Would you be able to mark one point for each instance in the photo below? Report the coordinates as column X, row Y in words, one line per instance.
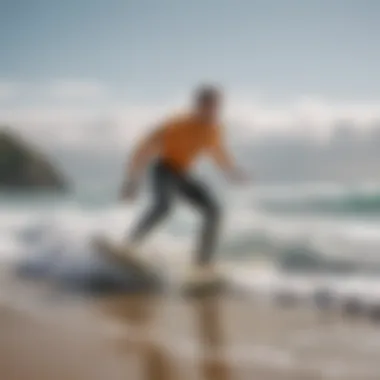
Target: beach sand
column 46, row 334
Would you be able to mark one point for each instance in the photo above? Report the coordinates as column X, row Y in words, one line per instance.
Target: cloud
column 76, row 89
column 62, row 91
column 109, row 124
column 107, row 127
column 8, row 90
column 318, row 114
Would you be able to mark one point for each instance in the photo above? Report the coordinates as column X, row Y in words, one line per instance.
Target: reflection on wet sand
column 139, row 313
column 156, row 337
column 209, row 315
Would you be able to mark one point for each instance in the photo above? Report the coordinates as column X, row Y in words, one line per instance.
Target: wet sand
column 45, row 334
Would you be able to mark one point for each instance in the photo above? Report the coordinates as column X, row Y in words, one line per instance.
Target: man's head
column 208, row 102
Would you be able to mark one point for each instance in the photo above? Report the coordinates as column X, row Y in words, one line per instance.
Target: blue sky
column 155, row 48
column 147, row 51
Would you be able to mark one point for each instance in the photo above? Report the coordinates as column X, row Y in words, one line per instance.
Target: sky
column 98, row 70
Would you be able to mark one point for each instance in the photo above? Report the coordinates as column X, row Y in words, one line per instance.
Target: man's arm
column 223, row 158
column 141, row 156
column 144, row 151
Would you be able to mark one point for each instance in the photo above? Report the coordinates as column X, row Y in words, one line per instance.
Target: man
column 176, row 144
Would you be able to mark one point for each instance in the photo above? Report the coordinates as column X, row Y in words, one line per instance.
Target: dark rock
column 33, row 269
column 25, row 168
column 106, row 283
column 299, row 259
column 323, row 299
column 353, row 307
column 374, row 313
column 39, row 263
column 286, row 299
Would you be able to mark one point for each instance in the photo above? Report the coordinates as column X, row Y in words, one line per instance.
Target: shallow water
column 284, row 226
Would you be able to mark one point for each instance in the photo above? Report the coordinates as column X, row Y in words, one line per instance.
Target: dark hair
column 207, row 93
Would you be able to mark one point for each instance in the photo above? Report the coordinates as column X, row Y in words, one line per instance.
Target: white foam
column 69, row 227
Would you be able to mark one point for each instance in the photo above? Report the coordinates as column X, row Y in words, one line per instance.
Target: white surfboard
column 124, row 256
column 181, row 282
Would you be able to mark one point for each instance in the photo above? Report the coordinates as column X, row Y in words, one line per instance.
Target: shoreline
column 47, row 334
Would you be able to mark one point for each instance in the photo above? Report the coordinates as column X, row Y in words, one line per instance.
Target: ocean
column 303, row 237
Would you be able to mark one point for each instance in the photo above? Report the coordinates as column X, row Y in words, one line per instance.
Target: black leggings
column 165, row 182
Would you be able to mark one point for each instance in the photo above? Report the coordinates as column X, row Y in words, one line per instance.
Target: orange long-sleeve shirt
column 184, row 139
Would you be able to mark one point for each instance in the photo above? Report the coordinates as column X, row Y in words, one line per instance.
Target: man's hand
column 128, row 191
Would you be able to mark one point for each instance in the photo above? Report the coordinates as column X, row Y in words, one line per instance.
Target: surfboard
column 132, row 261
column 122, row 255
